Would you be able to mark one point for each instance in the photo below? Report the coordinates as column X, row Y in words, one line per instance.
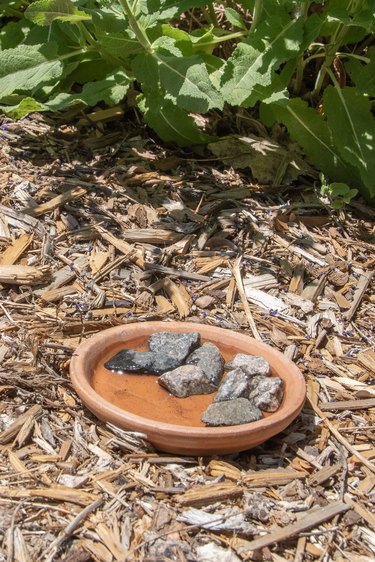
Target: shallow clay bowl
column 139, row 403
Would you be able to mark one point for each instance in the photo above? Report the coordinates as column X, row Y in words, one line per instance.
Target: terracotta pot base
column 138, row 403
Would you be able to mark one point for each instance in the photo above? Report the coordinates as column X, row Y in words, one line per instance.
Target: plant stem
column 223, row 38
column 305, row 5
column 138, row 31
column 257, row 12
column 330, row 55
column 87, row 35
column 213, row 15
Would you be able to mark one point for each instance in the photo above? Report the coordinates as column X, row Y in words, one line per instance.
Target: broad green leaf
column 185, row 81
column 14, row 33
column 187, row 84
column 235, row 18
column 24, row 107
column 119, row 45
column 308, row 128
column 353, row 130
column 110, row 19
column 111, row 90
column 28, row 67
column 363, row 75
column 44, row 12
column 171, row 123
column 253, row 64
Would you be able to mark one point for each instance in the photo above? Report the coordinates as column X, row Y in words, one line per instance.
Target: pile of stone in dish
column 185, row 367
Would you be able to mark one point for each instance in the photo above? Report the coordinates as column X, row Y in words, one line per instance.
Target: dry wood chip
column 217, row 468
column 152, row 236
column 367, row 359
column 272, row 477
column 54, row 295
column 361, row 510
column 310, row 519
column 56, row 202
column 324, row 474
column 58, row 493
column 135, row 255
column 10, row 433
column 23, row 274
column 362, row 285
column 211, row 493
column 16, row 249
column 348, row 405
column 24, row 222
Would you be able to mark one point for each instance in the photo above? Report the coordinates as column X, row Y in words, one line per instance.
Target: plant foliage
column 308, row 65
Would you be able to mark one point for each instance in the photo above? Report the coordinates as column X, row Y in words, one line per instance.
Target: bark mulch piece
column 99, row 228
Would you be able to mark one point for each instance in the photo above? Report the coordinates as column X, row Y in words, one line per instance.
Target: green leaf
column 44, row 12
column 252, row 64
column 24, row 107
column 307, row 127
column 235, row 18
column 13, row 33
column 171, row 123
column 28, row 67
column 363, row 75
column 353, row 130
column 111, row 90
column 186, row 82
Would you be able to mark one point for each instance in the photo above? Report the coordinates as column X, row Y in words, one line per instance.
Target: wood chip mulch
column 101, row 226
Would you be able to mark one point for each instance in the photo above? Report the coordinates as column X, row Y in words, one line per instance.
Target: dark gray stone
column 231, row 412
column 250, row 364
column 172, row 343
column 147, row 362
column 266, row 393
column 210, row 360
column 186, row 381
column 234, row 385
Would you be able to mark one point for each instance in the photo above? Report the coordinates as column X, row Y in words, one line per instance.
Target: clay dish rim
column 288, row 410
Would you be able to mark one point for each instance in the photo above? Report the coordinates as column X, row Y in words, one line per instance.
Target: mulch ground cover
column 100, row 226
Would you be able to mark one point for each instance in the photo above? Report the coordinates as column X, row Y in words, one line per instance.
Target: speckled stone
column 186, row 381
column 210, row 360
column 234, row 385
column 266, row 393
column 231, row 412
column 172, row 343
column 147, row 362
column 252, row 365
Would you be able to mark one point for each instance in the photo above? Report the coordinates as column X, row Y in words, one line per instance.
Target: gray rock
column 251, row 364
column 235, row 385
column 172, row 343
column 210, row 360
column 231, row 412
column 186, row 381
column 266, row 393
column 148, row 362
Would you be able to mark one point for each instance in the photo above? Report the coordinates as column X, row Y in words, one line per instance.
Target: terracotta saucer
column 138, row 403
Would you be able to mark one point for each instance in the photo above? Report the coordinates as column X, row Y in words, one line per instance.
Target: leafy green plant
column 339, row 194
column 308, row 65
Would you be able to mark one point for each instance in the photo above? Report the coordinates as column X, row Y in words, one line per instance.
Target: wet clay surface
column 143, row 396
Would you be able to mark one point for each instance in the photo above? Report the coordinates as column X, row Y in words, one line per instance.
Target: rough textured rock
column 171, row 343
column 186, row 381
column 235, row 385
column 251, row 364
column 266, row 393
column 231, row 412
column 210, row 360
column 147, row 362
